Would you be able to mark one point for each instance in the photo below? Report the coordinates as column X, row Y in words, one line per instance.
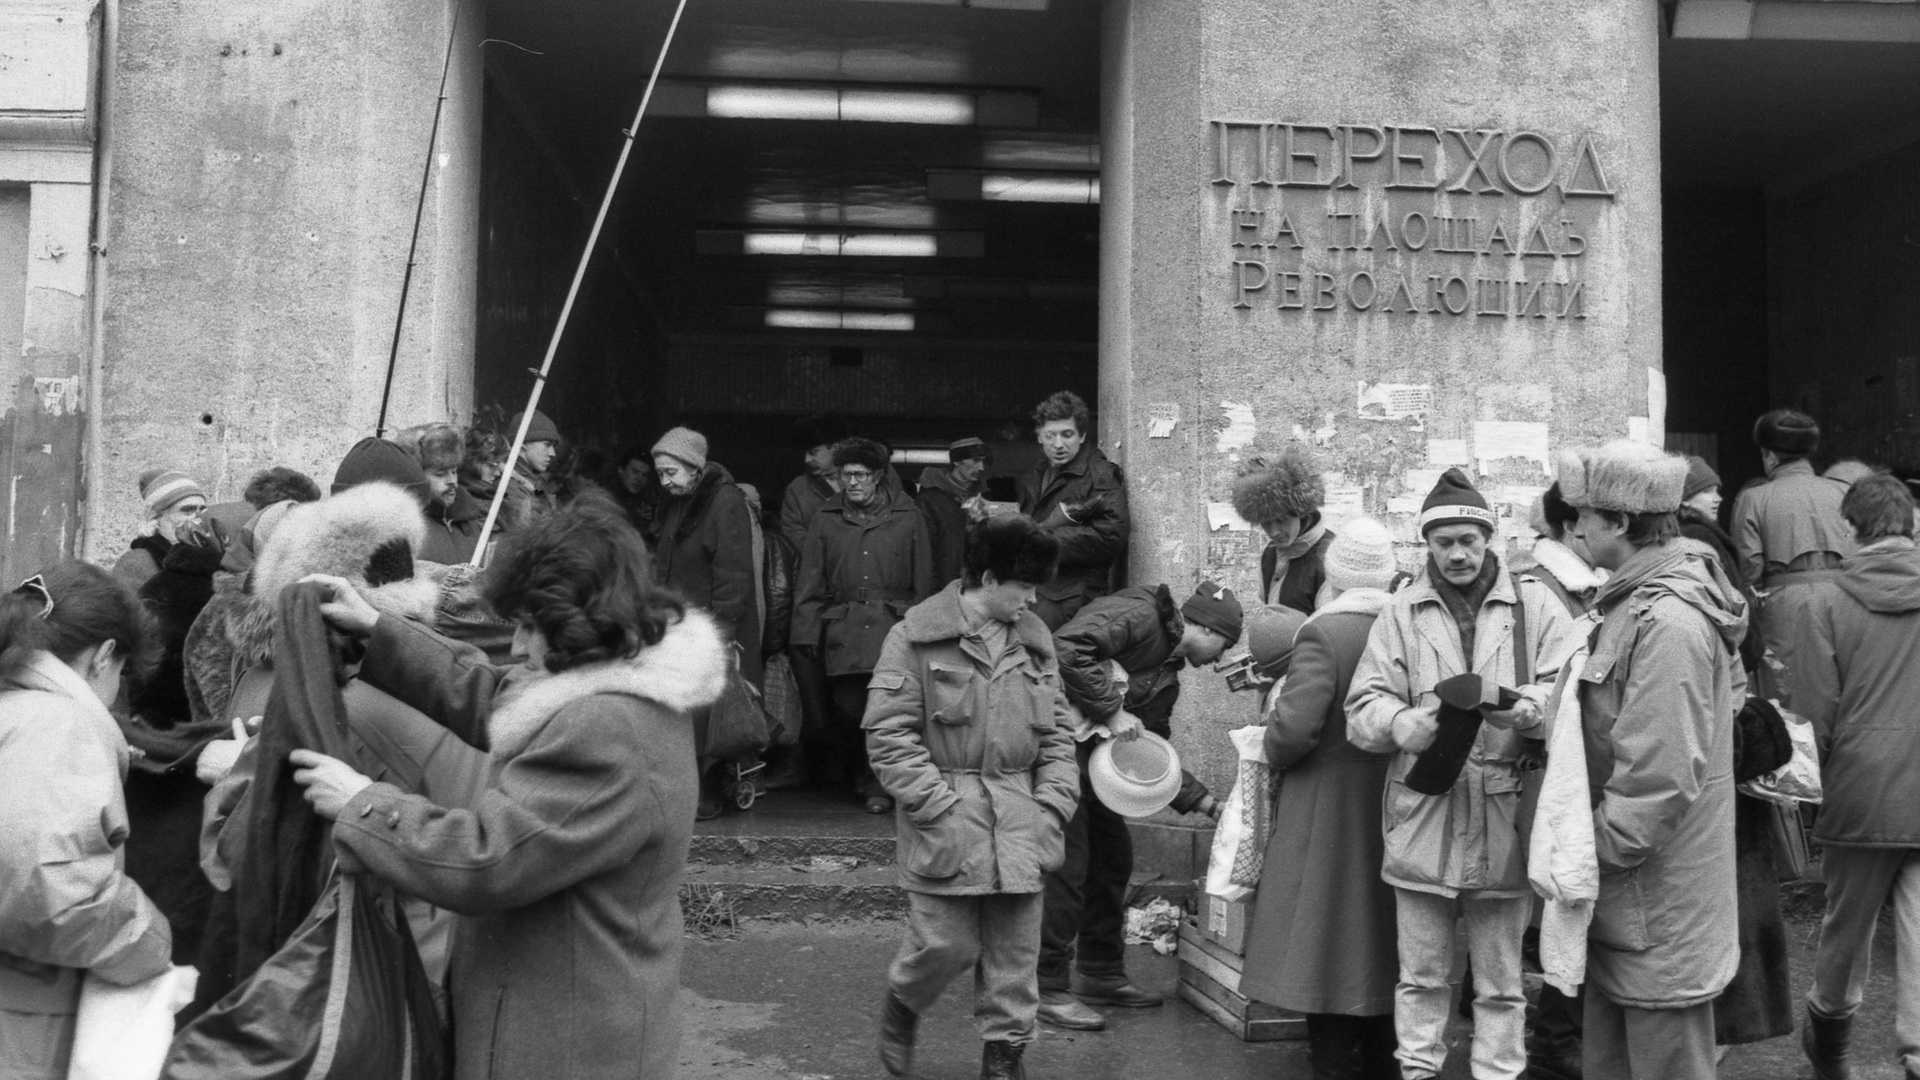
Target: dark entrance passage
column 1790, row 153
column 832, row 205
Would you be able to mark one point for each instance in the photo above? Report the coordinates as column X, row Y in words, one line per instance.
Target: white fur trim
column 1479, row 514
column 687, row 670
column 338, row 534
column 1571, row 571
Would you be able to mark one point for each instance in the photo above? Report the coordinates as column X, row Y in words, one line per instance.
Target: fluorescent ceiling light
column 1042, row 151
column 1052, row 189
column 812, row 103
column 900, row 245
column 805, row 319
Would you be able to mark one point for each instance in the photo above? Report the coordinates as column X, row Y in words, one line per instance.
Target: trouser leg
column 1556, row 1023
column 1101, row 947
column 849, row 708
column 943, row 940
column 1906, row 956
column 1604, row 1038
column 1006, row 984
column 1494, row 930
column 1420, row 999
column 1858, row 881
column 1063, row 892
column 1625, row 1043
column 816, row 713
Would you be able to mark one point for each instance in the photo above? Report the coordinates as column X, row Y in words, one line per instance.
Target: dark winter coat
column 859, row 573
column 1321, row 936
column 1093, row 541
column 1305, row 574
column 782, row 565
column 804, row 497
column 1139, row 628
column 977, row 753
column 453, row 532
column 142, row 559
column 1695, row 525
column 941, row 502
column 566, row 960
column 705, row 553
column 1866, row 628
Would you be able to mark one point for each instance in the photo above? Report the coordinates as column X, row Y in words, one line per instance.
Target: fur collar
column 1570, row 570
column 687, row 670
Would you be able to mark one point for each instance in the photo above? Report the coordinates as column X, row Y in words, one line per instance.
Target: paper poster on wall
column 1656, row 407
column 1237, row 428
column 1637, row 429
column 1499, row 440
column 1344, row 503
column 1444, row 452
column 1162, row 418
column 1394, row 401
column 1223, row 516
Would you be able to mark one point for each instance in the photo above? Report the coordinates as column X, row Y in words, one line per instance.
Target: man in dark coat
column 817, row 484
column 1081, row 498
column 944, row 495
column 1282, row 495
column 1865, row 635
column 532, row 493
column 1082, row 960
column 864, row 562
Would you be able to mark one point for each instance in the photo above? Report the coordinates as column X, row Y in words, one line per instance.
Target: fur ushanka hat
column 367, row 534
column 1283, row 485
column 1624, row 476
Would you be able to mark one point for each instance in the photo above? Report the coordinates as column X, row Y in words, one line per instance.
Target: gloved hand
column 217, row 757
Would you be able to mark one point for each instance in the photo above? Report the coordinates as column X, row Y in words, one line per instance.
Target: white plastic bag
column 1798, row 780
column 1240, row 839
column 122, row 1032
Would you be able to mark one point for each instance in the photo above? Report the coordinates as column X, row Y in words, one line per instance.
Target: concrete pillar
column 263, row 164
column 1407, row 235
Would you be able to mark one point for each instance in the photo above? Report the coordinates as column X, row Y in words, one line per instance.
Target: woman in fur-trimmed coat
column 1282, row 495
column 567, row 867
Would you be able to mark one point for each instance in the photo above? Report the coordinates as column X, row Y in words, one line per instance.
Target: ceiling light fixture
column 969, row 184
column 815, row 319
column 866, row 104
column 873, row 245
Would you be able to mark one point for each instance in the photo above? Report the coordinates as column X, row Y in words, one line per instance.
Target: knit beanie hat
column 1624, row 476
column 1361, row 556
column 1787, row 431
column 684, row 444
column 1214, row 608
column 1700, row 477
column 161, row 488
column 541, row 430
column 960, row 450
column 374, row 458
column 1270, row 635
column 1455, row 501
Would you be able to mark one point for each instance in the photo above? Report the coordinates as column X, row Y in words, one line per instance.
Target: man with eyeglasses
column 865, row 560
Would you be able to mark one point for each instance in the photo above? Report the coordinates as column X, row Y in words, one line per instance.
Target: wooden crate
column 1210, row 982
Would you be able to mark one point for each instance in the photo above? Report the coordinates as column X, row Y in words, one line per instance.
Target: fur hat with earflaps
column 1283, row 485
column 1624, row 476
column 367, row 534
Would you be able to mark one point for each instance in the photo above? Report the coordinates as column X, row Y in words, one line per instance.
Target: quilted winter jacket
column 977, row 755
column 1467, row 840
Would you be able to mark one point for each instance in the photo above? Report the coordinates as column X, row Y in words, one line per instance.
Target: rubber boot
column 897, row 1023
column 1000, row 1060
column 1825, row 1040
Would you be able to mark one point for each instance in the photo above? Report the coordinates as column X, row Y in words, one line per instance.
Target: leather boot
column 1113, row 990
column 897, row 1023
column 1000, row 1060
column 1825, row 1040
column 1063, row 1010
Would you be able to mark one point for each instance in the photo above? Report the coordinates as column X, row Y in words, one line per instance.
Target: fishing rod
column 419, row 211
column 573, row 291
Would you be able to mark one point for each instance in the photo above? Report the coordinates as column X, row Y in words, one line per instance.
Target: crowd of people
column 1540, row 749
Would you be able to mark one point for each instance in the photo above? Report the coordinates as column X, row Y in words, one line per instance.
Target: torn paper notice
column 1344, row 503
column 1237, row 429
column 1420, row 481
column 1162, row 418
column 1223, row 516
column 1405, row 504
column 1499, row 440
column 1444, row 452
column 1637, row 429
column 1394, row 401
column 1656, row 407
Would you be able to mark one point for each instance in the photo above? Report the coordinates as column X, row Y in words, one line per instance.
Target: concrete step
column 720, row 896
column 784, row 850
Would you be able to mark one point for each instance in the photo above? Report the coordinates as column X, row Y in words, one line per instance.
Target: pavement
column 798, row 1000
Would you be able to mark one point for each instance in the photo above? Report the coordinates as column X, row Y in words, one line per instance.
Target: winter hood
column 1883, row 577
column 686, row 670
column 1689, row 571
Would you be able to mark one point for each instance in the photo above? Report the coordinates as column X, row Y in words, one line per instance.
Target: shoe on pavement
column 1061, row 1009
column 1000, row 1060
column 897, row 1023
column 1113, row 991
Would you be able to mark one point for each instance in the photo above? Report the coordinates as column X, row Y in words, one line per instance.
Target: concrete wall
column 47, row 123
column 1844, row 298
column 1214, row 319
column 263, row 164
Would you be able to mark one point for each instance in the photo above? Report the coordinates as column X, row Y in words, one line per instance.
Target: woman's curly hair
column 583, row 578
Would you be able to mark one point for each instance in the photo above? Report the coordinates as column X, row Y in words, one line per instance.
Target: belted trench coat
column 859, row 573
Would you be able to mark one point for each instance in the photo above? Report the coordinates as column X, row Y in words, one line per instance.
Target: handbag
column 1798, row 780
column 122, row 1032
column 782, row 701
column 1246, row 823
column 736, row 725
column 344, row 999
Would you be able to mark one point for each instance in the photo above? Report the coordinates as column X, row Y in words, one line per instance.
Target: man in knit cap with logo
column 1457, row 854
column 1141, row 633
column 1789, row 536
column 1658, row 694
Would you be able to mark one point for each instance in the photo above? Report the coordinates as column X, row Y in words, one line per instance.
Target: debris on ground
column 1156, row 924
column 827, row 864
column 707, row 911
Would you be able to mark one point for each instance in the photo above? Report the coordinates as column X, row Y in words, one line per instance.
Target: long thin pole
column 573, row 291
column 419, row 211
